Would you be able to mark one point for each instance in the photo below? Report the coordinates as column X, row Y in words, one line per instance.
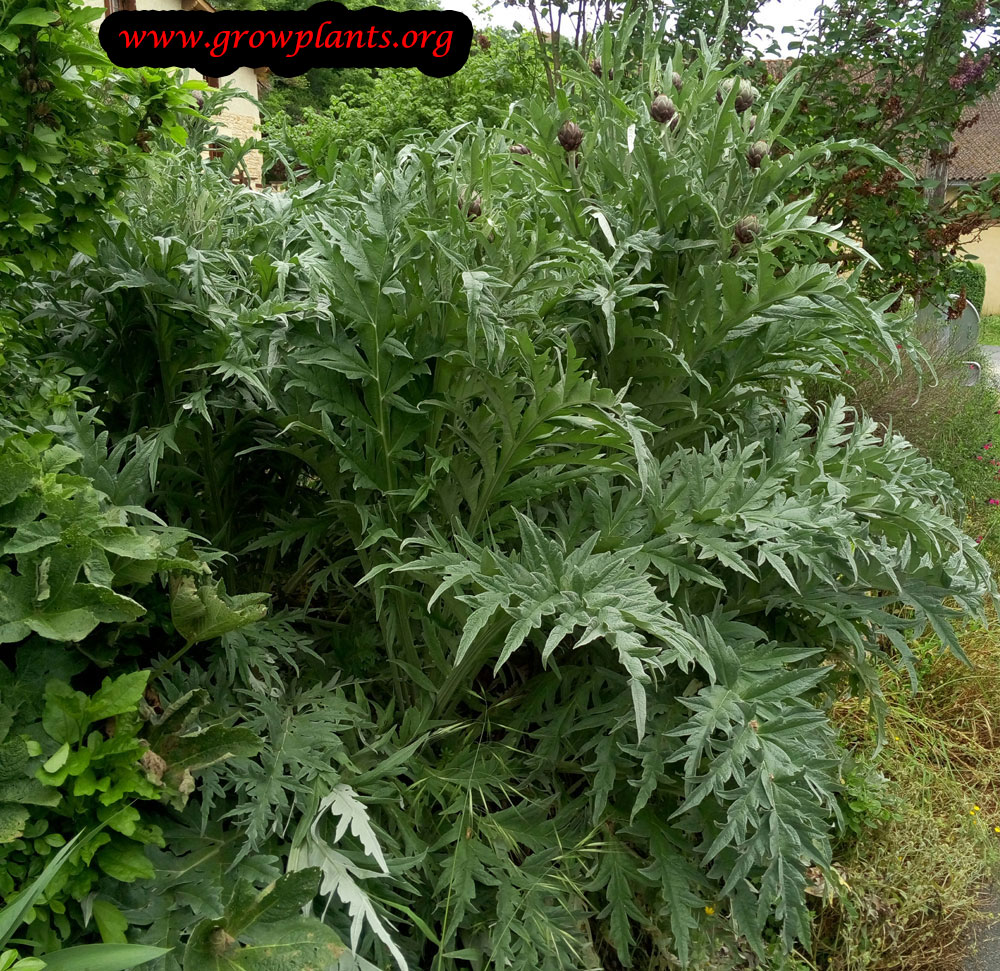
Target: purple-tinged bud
column 662, row 109
column 570, row 136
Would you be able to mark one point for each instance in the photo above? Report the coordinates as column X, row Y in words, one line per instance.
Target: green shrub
column 75, row 560
column 971, row 277
column 73, row 132
column 96, row 957
column 377, row 108
column 85, row 771
column 540, row 442
column 957, row 426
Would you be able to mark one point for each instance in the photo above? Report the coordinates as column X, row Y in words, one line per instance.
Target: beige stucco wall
column 241, row 125
column 240, row 118
column 988, row 252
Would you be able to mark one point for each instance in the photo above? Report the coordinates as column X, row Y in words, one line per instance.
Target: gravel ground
column 992, row 353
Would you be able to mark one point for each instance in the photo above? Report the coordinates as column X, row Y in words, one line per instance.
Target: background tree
column 289, row 98
column 730, row 24
column 72, row 128
column 899, row 75
column 563, row 25
column 559, row 24
column 376, row 107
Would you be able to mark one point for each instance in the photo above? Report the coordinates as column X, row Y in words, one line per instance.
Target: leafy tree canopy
column 898, row 75
column 72, row 129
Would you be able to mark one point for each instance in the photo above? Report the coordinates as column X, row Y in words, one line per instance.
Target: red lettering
column 302, row 43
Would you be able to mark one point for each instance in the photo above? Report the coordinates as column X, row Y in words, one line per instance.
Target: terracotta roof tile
column 978, row 154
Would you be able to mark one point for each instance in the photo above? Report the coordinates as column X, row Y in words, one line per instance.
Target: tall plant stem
column 464, row 670
column 171, row 661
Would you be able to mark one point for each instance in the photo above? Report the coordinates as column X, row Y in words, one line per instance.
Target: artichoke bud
column 519, row 150
column 662, row 109
column 474, row 208
column 724, row 90
column 595, row 67
column 570, row 136
column 678, row 81
column 757, row 153
column 746, row 96
column 747, row 229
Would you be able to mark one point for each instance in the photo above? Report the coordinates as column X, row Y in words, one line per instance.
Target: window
column 113, row 6
column 212, row 82
column 214, row 150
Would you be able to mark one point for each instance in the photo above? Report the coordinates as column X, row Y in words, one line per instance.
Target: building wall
column 988, row 252
column 240, row 118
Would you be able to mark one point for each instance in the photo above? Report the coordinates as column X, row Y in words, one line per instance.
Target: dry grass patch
column 917, row 882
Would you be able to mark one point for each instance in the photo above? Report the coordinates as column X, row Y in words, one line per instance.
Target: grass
column 923, row 847
column 989, row 330
column 918, row 882
column 956, row 426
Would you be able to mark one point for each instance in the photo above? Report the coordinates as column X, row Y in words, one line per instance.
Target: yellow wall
column 988, row 251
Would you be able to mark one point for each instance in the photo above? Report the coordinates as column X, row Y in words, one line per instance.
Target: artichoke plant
column 562, row 488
